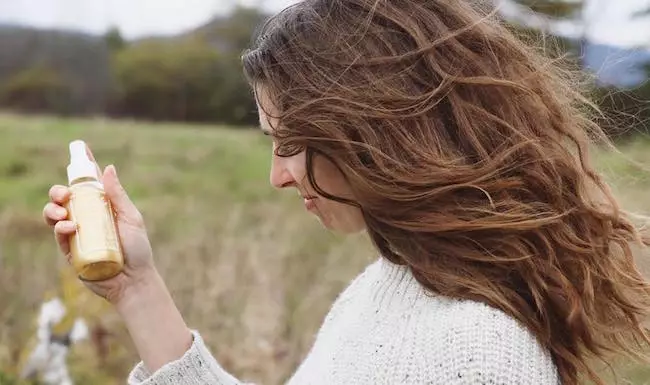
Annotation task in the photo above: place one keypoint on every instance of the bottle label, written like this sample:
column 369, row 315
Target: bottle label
column 96, row 230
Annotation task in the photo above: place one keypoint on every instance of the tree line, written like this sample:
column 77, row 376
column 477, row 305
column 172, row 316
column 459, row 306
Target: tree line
column 193, row 77
column 196, row 76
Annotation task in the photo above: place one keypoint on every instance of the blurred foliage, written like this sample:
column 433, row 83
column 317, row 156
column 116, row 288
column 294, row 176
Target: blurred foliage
column 8, row 379
column 183, row 81
column 233, row 33
column 192, row 77
column 38, row 89
column 114, row 40
column 165, row 80
column 31, row 57
column 554, row 8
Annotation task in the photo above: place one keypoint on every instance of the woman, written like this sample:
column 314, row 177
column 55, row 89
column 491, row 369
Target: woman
column 503, row 258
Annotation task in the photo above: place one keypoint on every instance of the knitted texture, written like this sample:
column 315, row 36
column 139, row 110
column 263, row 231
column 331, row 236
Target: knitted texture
column 385, row 329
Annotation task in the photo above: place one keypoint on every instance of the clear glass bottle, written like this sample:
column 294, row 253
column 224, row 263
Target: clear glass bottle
column 95, row 248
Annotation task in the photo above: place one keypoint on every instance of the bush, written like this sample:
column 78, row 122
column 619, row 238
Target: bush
column 51, row 57
column 37, row 89
column 182, row 81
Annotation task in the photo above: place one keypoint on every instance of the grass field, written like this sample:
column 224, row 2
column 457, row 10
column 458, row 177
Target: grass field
column 247, row 266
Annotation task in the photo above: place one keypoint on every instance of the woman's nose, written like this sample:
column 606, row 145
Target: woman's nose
column 280, row 176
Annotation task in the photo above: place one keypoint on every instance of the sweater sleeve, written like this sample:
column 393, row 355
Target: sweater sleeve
column 196, row 366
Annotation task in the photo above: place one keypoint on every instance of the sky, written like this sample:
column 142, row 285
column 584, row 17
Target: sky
column 136, row 18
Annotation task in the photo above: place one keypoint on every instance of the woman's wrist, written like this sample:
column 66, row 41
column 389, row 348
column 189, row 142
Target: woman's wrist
column 149, row 284
column 153, row 321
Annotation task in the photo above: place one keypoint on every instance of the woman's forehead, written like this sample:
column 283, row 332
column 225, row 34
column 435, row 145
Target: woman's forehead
column 266, row 111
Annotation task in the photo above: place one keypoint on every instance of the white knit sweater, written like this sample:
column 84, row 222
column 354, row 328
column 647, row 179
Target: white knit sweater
column 385, row 329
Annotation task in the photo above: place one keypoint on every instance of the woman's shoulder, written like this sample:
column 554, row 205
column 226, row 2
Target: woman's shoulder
column 386, row 313
column 452, row 314
column 469, row 339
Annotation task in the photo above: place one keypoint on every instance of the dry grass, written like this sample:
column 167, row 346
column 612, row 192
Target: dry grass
column 247, row 266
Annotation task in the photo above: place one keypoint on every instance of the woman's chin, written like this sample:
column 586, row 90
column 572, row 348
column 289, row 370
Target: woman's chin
column 343, row 228
column 341, row 224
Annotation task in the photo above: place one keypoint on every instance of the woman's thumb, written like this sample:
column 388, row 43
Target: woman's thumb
column 117, row 194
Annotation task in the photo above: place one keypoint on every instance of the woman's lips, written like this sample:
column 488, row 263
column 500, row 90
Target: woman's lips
column 310, row 203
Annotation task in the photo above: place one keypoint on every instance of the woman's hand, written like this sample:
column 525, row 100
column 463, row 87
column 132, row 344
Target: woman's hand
column 138, row 266
column 138, row 292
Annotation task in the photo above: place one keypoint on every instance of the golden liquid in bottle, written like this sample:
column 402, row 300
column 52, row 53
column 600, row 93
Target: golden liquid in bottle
column 95, row 249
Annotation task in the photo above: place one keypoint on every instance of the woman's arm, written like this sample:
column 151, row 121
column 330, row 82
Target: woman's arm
column 156, row 326
column 171, row 353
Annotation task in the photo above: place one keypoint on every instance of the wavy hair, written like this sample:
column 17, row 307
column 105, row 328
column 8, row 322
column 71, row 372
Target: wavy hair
column 468, row 154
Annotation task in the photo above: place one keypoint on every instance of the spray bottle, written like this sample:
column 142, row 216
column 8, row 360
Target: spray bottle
column 95, row 249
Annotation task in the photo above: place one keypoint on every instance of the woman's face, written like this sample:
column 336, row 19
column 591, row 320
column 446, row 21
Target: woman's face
column 287, row 172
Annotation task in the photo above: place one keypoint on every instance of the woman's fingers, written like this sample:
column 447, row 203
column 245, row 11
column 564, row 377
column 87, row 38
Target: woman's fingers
column 56, row 215
column 59, row 194
column 124, row 207
column 53, row 213
column 54, row 210
column 62, row 232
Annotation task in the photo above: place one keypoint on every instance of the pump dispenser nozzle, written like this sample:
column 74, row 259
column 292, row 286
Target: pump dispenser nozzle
column 80, row 164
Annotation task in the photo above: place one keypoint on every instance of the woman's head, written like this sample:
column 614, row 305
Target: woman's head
column 466, row 155
column 291, row 172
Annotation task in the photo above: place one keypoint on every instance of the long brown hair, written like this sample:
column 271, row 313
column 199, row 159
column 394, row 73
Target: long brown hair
column 467, row 152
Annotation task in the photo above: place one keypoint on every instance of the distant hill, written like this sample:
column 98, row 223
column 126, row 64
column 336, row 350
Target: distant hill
column 82, row 59
column 229, row 33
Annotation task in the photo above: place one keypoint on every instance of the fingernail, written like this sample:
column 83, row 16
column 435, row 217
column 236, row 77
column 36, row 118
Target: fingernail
column 115, row 172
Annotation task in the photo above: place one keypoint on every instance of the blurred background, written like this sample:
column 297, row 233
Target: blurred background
column 155, row 87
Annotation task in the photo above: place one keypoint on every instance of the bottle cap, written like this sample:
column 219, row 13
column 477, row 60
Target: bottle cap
column 80, row 164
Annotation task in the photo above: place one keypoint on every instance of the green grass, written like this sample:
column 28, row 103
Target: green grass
column 245, row 263
column 181, row 160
